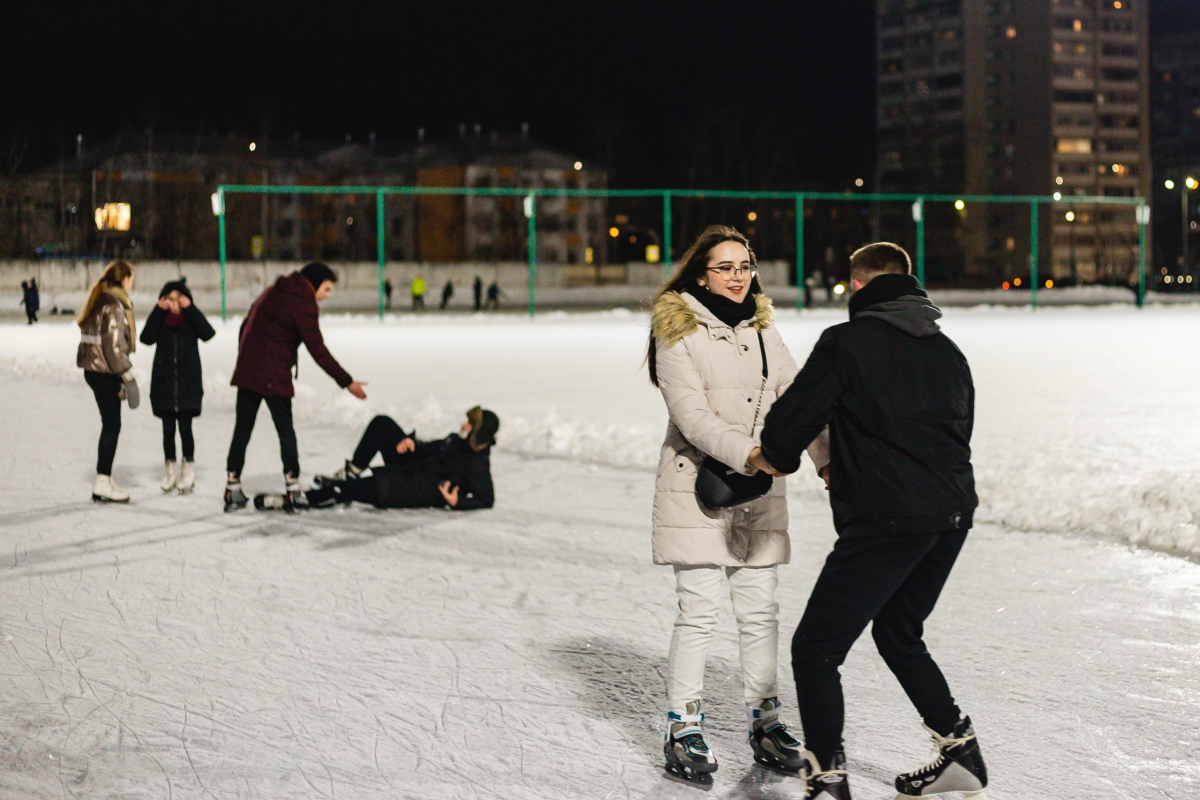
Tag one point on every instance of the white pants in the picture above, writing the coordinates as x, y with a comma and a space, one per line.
752, 590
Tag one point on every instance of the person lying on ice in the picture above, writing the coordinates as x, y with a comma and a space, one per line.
454, 472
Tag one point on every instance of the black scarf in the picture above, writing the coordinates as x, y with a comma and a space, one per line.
728, 311
883, 289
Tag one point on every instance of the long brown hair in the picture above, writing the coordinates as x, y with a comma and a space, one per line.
692, 267
114, 274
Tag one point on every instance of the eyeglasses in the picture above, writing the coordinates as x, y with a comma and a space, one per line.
733, 272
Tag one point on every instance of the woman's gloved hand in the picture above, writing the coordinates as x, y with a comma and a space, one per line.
129, 388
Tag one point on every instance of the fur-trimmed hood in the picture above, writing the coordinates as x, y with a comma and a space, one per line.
676, 317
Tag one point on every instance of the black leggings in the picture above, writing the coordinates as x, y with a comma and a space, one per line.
185, 436
107, 390
894, 582
281, 413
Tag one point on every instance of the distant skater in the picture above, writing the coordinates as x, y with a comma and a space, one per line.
417, 288
107, 335
494, 293
283, 317
31, 299
387, 293
477, 290
447, 293
174, 326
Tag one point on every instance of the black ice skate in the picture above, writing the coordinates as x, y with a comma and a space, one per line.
688, 757
273, 502
958, 767
235, 498
348, 472
773, 746
825, 784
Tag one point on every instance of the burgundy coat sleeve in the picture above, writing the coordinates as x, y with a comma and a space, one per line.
309, 327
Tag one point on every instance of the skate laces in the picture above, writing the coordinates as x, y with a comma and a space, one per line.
940, 745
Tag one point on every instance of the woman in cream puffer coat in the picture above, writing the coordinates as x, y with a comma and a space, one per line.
705, 357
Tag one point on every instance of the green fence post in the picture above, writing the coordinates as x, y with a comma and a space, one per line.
919, 213
530, 211
1033, 253
1143, 218
666, 256
379, 245
221, 246
799, 252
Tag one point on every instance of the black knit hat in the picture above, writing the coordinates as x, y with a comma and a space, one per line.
176, 286
484, 425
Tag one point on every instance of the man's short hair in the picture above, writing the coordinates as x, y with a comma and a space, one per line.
878, 258
317, 273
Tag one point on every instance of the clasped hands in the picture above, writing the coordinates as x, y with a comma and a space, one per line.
759, 462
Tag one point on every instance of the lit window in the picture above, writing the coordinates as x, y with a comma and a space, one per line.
614, 232
752, 216
1011, 33
578, 165
1078, 25
1074, 145
113, 217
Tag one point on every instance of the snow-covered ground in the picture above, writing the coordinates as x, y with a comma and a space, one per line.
167, 649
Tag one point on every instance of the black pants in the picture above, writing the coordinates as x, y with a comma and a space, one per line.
281, 415
184, 421
362, 490
107, 390
894, 581
381, 436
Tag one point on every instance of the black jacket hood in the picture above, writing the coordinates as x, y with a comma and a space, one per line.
899, 301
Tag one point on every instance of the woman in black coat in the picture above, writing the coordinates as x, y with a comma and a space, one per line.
177, 383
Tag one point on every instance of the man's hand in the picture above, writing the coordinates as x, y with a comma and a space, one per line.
407, 445
823, 474
450, 494
184, 302
757, 461
355, 388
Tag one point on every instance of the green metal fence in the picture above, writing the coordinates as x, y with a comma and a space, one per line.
530, 196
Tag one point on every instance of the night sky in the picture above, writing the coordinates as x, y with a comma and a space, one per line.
735, 95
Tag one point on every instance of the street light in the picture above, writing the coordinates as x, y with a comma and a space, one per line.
1169, 184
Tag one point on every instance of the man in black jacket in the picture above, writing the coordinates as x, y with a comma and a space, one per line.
897, 396
454, 472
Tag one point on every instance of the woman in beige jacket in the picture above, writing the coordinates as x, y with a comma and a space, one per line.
106, 338
705, 357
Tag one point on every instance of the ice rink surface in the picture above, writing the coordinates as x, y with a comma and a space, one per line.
166, 649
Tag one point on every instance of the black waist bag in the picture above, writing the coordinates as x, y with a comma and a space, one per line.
720, 486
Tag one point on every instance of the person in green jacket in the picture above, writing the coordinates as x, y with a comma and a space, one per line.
418, 289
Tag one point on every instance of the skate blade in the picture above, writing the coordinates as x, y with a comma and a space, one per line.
698, 780
777, 766
98, 499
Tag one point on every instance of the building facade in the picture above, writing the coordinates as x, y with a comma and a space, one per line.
1018, 97
149, 197
1175, 136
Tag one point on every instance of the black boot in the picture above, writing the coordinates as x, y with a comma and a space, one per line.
958, 767
235, 498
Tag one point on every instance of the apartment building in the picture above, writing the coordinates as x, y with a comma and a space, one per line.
1018, 97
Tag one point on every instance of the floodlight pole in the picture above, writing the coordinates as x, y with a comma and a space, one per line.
379, 245
221, 247
1034, 249
666, 256
799, 252
530, 212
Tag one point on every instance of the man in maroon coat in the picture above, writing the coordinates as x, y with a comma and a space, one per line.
283, 317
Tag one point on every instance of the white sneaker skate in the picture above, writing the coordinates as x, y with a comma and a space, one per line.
172, 477
187, 478
104, 490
